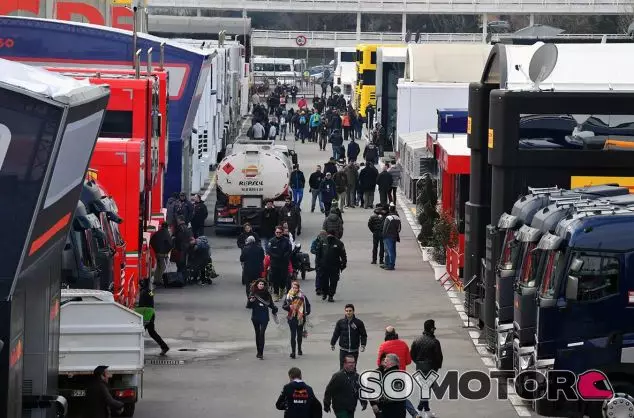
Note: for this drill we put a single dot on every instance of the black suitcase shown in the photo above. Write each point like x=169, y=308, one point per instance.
x=174, y=279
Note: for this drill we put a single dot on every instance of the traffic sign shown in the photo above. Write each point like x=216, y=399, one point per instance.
x=301, y=40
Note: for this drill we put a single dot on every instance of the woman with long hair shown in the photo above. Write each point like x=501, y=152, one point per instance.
x=298, y=308
x=260, y=301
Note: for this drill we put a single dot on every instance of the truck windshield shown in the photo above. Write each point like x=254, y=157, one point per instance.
x=530, y=264
x=598, y=276
x=84, y=249
x=510, y=251
x=555, y=263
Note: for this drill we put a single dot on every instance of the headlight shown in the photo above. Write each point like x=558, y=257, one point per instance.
x=525, y=362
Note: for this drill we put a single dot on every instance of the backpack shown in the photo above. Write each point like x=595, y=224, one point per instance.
x=202, y=243
x=331, y=253
x=302, y=120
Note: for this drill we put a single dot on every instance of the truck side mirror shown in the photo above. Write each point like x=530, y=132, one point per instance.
x=572, y=288
x=332, y=62
x=576, y=265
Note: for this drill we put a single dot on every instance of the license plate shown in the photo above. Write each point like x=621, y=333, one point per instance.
x=225, y=220
x=79, y=393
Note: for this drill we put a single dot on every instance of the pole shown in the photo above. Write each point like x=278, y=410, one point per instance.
x=162, y=56
x=134, y=36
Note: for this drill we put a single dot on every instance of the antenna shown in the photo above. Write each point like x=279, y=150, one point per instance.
x=149, y=61
x=162, y=56
x=137, y=66
x=542, y=63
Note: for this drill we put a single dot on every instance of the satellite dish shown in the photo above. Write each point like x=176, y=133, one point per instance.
x=408, y=36
x=543, y=63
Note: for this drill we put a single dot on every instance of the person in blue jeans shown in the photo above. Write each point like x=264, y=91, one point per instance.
x=391, y=235
x=297, y=183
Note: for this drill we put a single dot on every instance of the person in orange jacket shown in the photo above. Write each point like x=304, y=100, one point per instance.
x=394, y=345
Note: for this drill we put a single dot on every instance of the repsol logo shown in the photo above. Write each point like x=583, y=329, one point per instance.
x=248, y=183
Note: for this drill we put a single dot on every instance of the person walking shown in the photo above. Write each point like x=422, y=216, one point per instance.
x=145, y=307
x=247, y=231
x=352, y=176
x=333, y=222
x=291, y=214
x=199, y=216
x=351, y=334
x=99, y=401
x=341, y=185
x=331, y=166
x=297, y=399
x=269, y=219
x=333, y=259
x=328, y=192
x=367, y=181
x=353, y=150
x=395, y=171
x=283, y=124
x=279, y=251
x=426, y=353
x=161, y=243
x=391, y=235
x=342, y=392
x=384, y=407
x=314, y=247
x=252, y=259
x=298, y=308
x=297, y=182
x=371, y=154
x=384, y=181
x=375, y=225
x=260, y=301
x=314, y=181
x=336, y=142
x=369, y=114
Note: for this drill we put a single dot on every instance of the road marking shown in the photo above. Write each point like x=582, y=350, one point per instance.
x=487, y=358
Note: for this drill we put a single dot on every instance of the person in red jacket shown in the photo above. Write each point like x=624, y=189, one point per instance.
x=394, y=345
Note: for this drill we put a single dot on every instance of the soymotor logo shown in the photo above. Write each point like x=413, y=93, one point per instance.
x=592, y=385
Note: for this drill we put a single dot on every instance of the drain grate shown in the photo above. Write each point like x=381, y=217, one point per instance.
x=159, y=362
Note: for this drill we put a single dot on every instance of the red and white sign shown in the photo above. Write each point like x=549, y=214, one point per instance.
x=301, y=40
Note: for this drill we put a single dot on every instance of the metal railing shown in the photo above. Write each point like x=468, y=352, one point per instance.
x=412, y=6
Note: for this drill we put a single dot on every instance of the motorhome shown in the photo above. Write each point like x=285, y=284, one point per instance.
x=345, y=71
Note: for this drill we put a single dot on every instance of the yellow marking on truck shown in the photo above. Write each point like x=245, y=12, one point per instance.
x=490, y=138
x=585, y=181
x=468, y=125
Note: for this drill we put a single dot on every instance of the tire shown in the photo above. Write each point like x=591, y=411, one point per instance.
x=128, y=410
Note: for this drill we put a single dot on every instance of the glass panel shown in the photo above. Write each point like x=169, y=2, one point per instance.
x=117, y=124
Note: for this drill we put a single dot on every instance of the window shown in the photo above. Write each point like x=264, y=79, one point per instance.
x=530, y=260
x=117, y=124
x=360, y=56
x=347, y=57
x=510, y=251
x=369, y=77
x=532, y=267
x=373, y=57
x=598, y=277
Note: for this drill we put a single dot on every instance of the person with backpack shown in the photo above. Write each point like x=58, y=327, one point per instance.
x=333, y=259
x=314, y=247
x=303, y=127
x=315, y=122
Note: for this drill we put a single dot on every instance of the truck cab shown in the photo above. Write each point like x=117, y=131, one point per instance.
x=584, y=315
x=517, y=242
x=79, y=259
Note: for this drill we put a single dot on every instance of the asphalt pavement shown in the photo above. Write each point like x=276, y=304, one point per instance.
x=212, y=370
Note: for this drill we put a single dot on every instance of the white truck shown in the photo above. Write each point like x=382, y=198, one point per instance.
x=95, y=330
x=251, y=173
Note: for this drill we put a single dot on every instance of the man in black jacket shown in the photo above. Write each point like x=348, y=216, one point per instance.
x=350, y=331
x=333, y=259
x=314, y=182
x=342, y=392
x=99, y=400
x=290, y=213
x=199, y=217
x=268, y=221
x=297, y=183
x=252, y=259
x=389, y=408
x=375, y=224
x=384, y=181
x=297, y=399
x=426, y=353
x=161, y=243
x=279, y=249
x=367, y=182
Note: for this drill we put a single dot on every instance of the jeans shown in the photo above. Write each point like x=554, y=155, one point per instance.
x=368, y=199
x=323, y=140
x=342, y=200
x=351, y=196
x=424, y=406
x=336, y=151
x=161, y=264
x=298, y=195
x=390, y=252
x=283, y=132
x=297, y=333
x=344, y=353
x=260, y=330
x=327, y=203
x=410, y=408
x=377, y=244
x=315, y=195
x=392, y=194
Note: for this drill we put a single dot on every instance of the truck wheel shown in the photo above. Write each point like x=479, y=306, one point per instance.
x=128, y=410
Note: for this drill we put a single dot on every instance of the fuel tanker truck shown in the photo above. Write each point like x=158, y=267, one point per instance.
x=251, y=173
